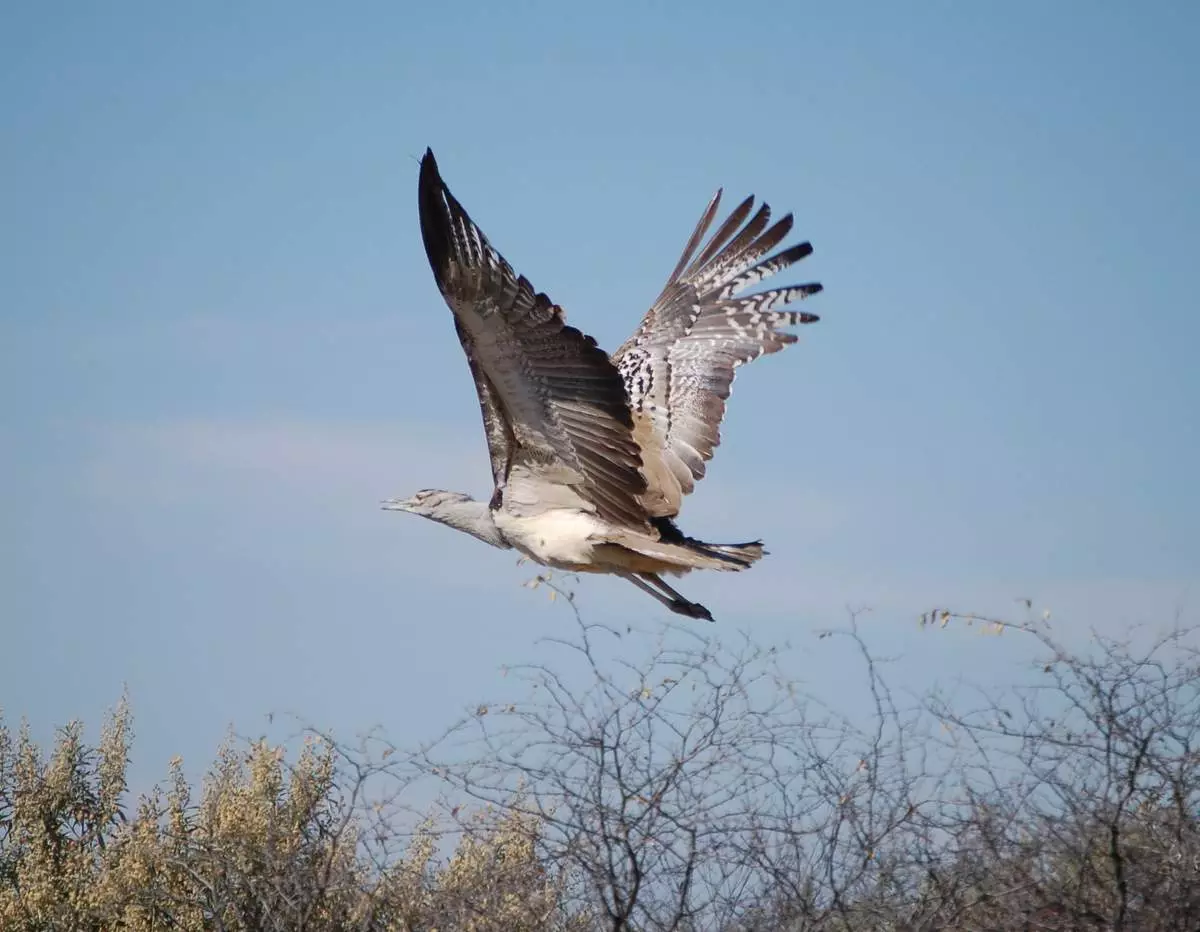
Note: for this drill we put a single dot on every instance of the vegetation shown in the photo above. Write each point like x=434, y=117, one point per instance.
x=690, y=787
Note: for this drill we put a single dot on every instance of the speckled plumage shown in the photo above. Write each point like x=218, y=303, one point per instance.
x=678, y=366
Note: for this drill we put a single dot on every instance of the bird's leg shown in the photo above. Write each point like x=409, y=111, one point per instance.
x=668, y=596
x=673, y=604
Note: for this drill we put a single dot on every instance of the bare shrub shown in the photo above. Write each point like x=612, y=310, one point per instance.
x=693, y=787
x=697, y=787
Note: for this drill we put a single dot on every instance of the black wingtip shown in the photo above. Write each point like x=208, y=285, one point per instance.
x=434, y=213
x=430, y=180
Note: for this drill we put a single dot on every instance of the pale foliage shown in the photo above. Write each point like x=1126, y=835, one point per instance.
x=269, y=845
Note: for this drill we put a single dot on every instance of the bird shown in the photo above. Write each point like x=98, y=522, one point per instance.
x=591, y=453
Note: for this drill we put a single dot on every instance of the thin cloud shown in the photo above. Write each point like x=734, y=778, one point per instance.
x=276, y=474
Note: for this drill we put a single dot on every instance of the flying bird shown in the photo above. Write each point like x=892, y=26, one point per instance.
x=592, y=454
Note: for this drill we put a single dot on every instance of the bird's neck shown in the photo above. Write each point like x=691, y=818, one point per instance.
x=473, y=517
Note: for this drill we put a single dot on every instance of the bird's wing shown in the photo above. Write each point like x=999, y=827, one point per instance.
x=679, y=364
x=553, y=404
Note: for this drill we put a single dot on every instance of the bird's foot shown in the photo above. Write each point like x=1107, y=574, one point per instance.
x=691, y=610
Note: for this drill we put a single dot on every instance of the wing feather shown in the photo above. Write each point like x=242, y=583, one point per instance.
x=679, y=365
x=496, y=428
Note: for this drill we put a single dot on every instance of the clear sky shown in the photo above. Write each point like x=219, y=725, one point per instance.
x=221, y=345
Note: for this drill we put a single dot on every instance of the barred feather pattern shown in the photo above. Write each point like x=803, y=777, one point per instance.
x=553, y=405
x=679, y=366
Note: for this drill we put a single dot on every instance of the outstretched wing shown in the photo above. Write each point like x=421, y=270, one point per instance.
x=679, y=365
x=553, y=404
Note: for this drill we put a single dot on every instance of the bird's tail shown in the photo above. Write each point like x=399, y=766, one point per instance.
x=743, y=555
x=728, y=556
x=684, y=553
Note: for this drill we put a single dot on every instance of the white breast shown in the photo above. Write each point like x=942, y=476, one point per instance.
x=557, y=536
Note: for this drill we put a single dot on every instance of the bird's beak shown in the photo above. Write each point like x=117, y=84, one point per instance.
x=397, y=504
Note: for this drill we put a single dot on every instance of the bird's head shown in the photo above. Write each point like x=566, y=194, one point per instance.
x=426, y=502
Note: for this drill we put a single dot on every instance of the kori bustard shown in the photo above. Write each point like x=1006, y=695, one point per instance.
x=592, y=454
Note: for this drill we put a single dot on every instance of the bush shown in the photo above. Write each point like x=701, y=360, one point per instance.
x=267, y=847
x=690, y=787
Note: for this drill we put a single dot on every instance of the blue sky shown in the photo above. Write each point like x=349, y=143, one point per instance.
x=220, y=344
